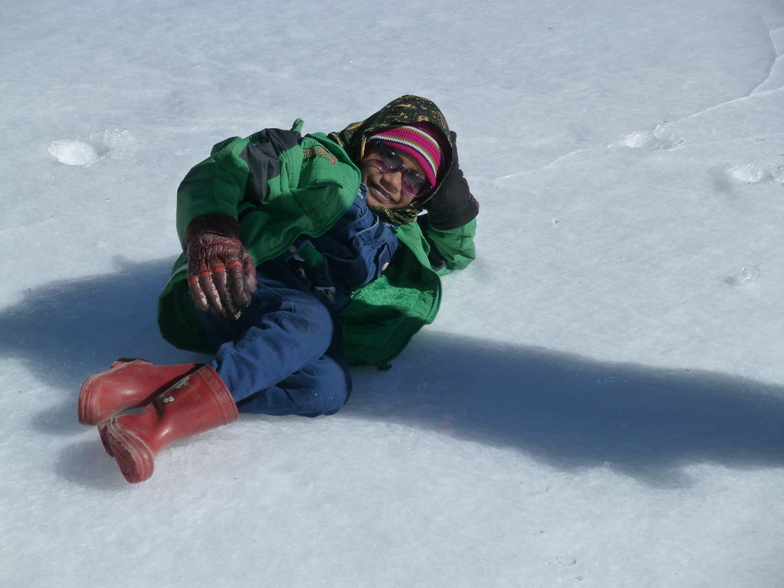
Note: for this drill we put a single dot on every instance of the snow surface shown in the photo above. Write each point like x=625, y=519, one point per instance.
x=599, y=404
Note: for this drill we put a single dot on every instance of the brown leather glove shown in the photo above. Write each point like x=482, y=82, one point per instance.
x=221, y=274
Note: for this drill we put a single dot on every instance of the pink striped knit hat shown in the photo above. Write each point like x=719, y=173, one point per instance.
x=420, y=141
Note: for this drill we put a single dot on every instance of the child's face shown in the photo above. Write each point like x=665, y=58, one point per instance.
x=386, y=189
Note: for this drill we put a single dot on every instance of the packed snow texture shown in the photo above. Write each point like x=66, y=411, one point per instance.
x=601, y=400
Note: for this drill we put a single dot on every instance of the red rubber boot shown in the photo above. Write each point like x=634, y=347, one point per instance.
x=128, y=383
x=197, y=403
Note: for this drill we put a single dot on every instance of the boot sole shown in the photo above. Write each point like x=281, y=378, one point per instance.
x=105, y=440
x=134, y=457
x=85, y=415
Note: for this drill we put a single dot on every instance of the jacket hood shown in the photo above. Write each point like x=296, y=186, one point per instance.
x=401, y=111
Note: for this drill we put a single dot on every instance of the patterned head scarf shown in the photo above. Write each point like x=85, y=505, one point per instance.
x=407, y=110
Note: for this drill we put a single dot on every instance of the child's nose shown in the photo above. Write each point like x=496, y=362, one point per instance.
x=393, y=181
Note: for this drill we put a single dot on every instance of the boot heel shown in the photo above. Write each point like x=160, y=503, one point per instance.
x=87, y=414
x=128, y=383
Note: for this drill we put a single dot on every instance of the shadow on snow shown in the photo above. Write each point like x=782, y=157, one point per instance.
x=572, y=412
x=565, y=410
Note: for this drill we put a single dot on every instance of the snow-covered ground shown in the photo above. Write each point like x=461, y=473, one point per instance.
x=601, y=401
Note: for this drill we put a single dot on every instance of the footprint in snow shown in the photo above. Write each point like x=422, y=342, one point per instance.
x=746, y=275
x=651, y=140
x=754, y=173
x=75, y=152
x=84, y=152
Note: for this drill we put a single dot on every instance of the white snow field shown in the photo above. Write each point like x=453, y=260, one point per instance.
x=601, y=400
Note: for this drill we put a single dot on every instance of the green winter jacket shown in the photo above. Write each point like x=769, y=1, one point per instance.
x=280, y=185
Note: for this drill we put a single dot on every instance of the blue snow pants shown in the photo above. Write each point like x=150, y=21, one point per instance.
x=280, y=357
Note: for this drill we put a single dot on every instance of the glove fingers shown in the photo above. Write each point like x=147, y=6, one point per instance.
x=249, y=272
x=222, y=301
x=236, y=284
x=209, y=291
x=202, y=287
x=199, y=298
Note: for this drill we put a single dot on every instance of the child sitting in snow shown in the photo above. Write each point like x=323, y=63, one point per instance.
x=300, y=255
